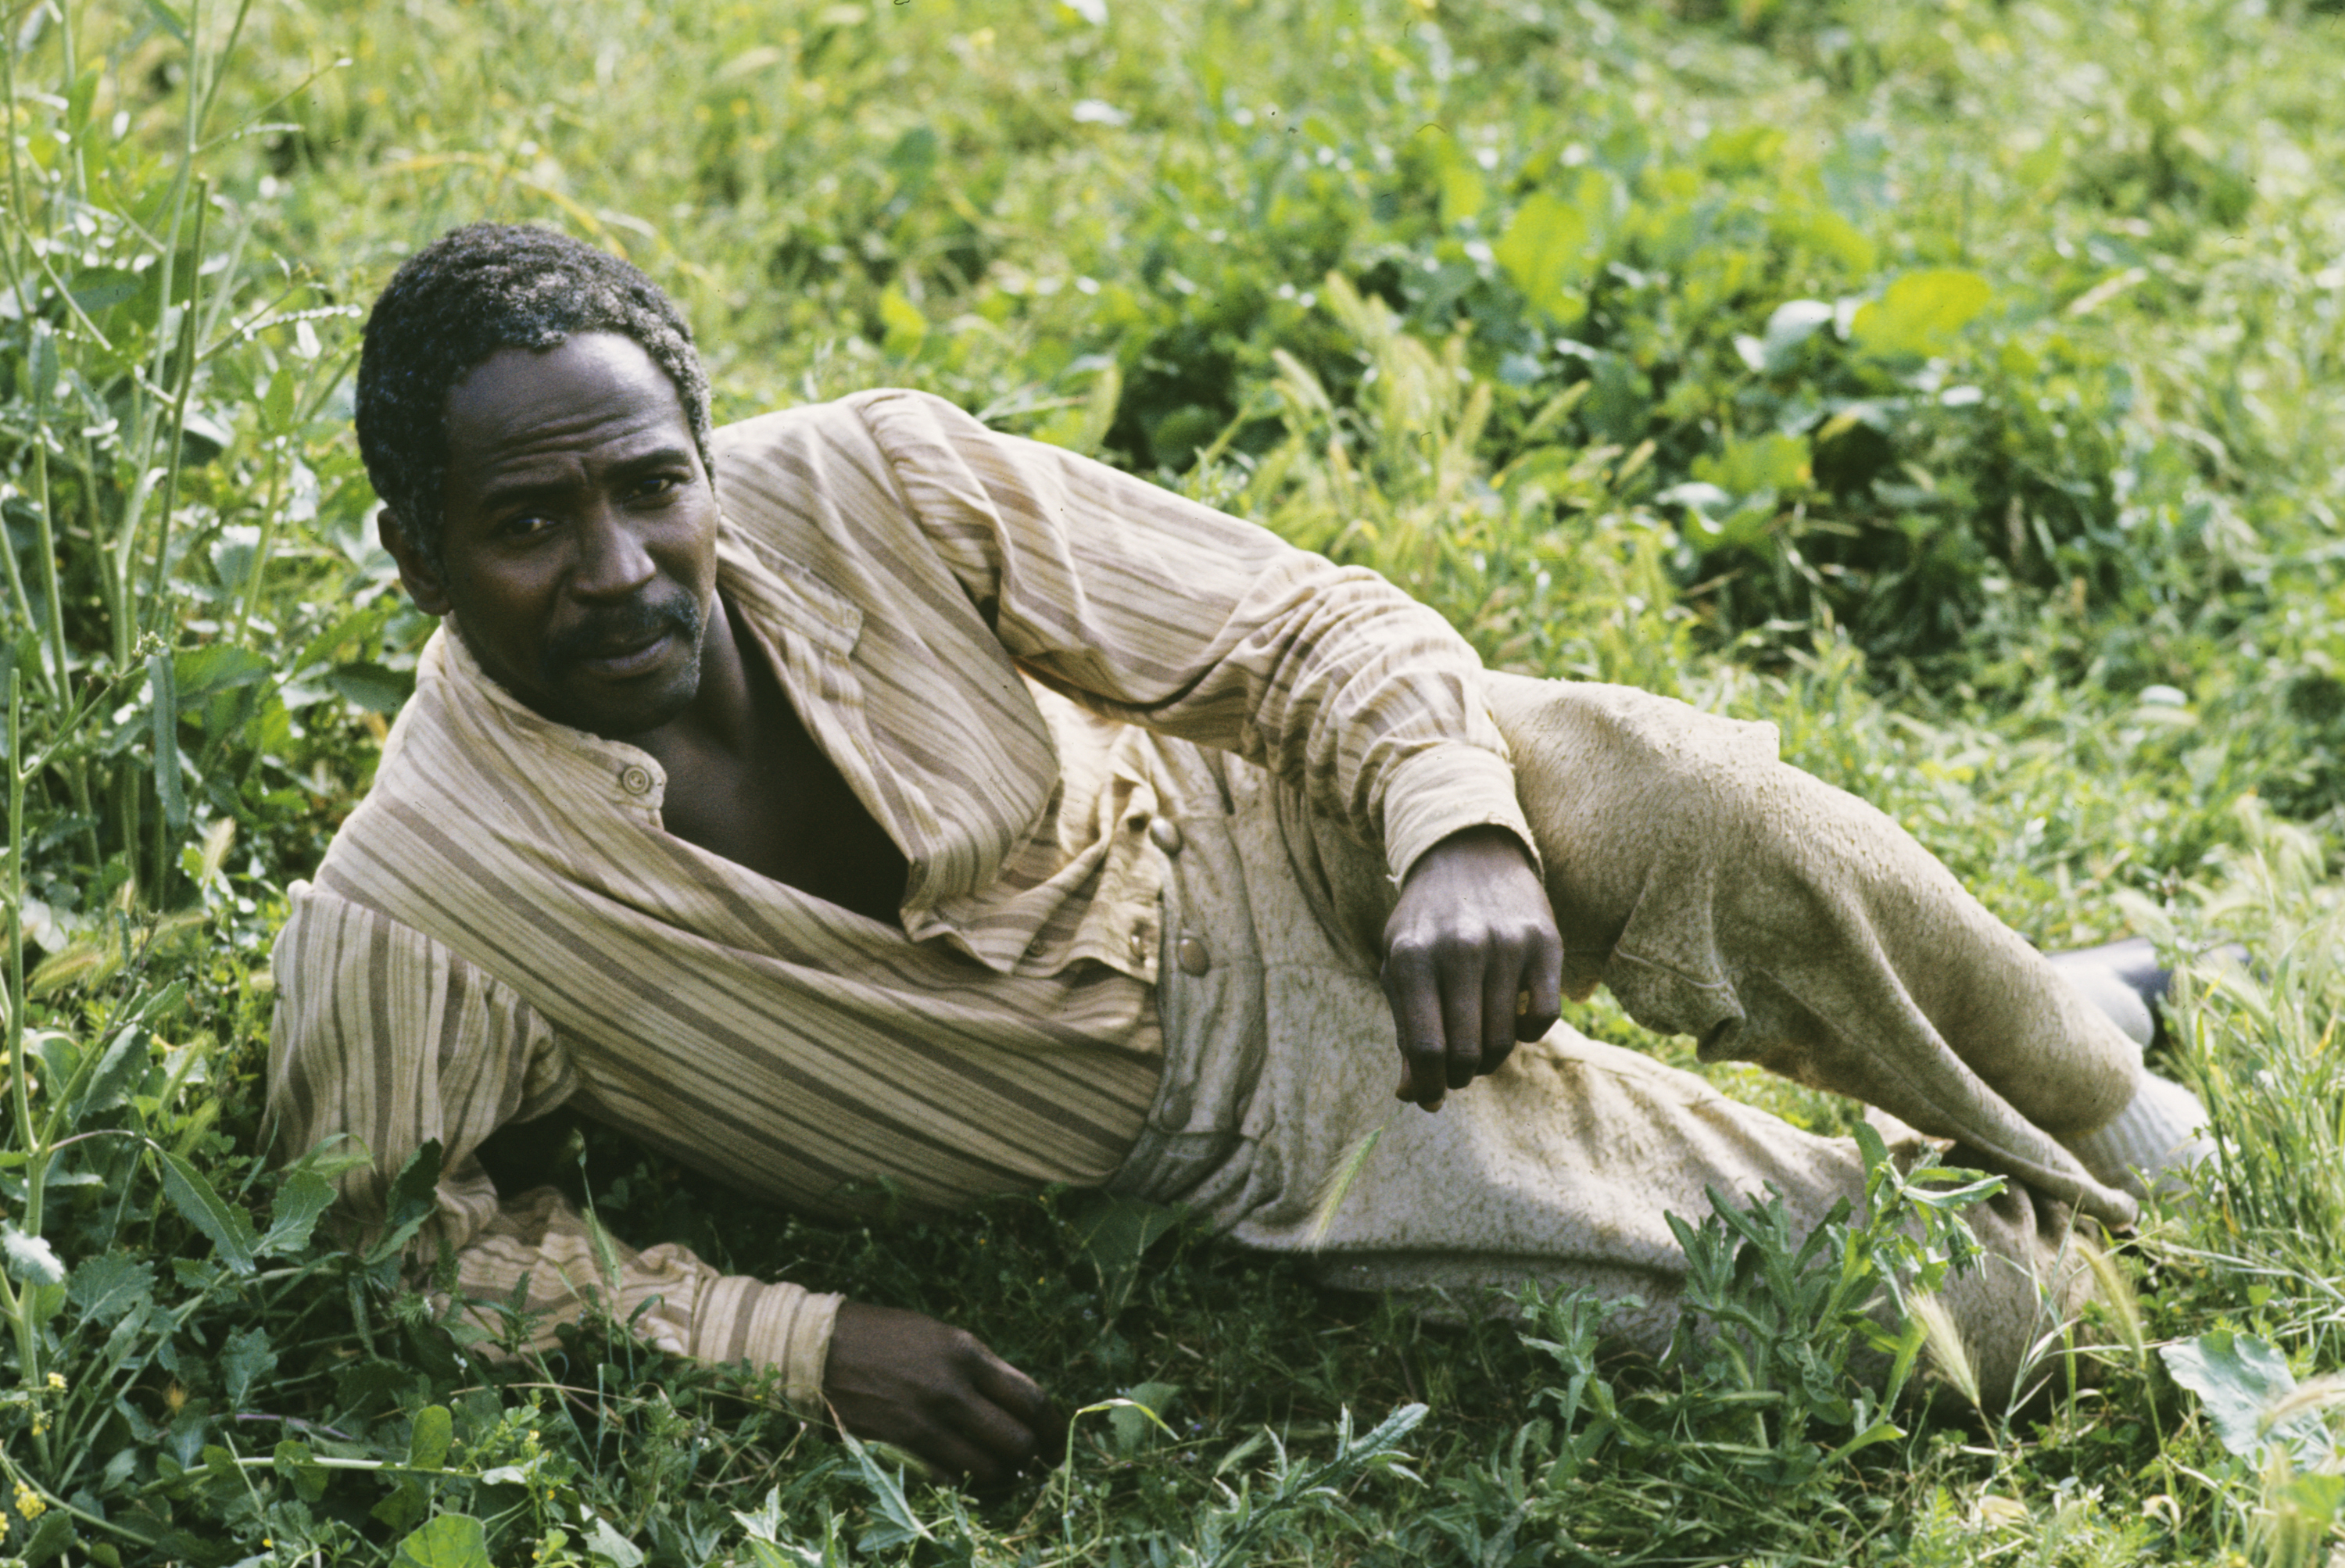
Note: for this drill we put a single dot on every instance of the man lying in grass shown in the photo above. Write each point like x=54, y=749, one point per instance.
x=853, y=795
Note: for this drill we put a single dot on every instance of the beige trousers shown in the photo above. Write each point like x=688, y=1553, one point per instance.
x=1718, y=893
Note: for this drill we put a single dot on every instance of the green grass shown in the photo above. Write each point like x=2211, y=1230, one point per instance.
x=2026, y=531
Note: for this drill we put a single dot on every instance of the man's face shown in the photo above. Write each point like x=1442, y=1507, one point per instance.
x=579, y=544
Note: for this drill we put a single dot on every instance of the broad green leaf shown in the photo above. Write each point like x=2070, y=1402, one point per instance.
x=1463, y=194
x=451, y=1540
x=2237, y=1377
x=429, y=1439
x=80, y=97
x=1545, y=251
x=907, y=329
x=605, y=1545
x=224, y=1225
x=2304, y=1508
x=1792, y=323
x=898, y=1522
x=116, y=1072
x=914, y=153
x=413, y=1200
x=1388, y=1431
x=110, y=1285
x=305, y=1196
x=102, y=288
x=246, y=1359
x=405, y=1507
x=1921, y=313
x=204, y=673
x=1115, y=1233
x=277, y=402
x=292, y=1460
x=1765, y=466
x=50, y=1539
x=59, y=1054
x=1132, y=1419
x=766, y=1521
x=31, y=1257
x=373, y=686
x=154, y=1007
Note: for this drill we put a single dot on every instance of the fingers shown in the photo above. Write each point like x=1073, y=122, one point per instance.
x=1504, y=998
x=1021, y=1396
x=1412, y=987
x=906, y=1378
x=1461, y=1005
x=1472, y=962
x=1462, y=1012
x=1540, y=1001
x=985, y=1414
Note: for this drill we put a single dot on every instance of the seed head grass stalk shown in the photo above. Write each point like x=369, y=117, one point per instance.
x=1342, y=1176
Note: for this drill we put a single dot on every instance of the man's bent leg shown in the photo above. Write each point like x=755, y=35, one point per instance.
x=1721, y=893
x=1562, y=1167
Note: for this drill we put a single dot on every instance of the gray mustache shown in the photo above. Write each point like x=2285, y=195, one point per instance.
x=625, y=624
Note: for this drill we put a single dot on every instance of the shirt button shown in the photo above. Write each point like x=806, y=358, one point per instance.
x=635, y=778
x=1139, y=945
x=1166, y=832
x=1192, y=956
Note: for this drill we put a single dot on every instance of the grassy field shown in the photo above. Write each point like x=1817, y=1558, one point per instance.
x=1958, y=385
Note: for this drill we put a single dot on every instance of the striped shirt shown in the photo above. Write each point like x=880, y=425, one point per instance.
x=992, y=641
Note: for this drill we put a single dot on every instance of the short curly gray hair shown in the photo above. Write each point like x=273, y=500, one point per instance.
x=460, y=298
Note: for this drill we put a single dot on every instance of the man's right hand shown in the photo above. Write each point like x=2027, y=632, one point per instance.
x=898, y=1377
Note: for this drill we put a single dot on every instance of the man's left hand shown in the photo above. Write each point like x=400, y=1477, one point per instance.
x=1472, y=962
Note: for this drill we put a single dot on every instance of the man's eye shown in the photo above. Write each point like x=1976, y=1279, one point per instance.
x=654, y=486
x=527, y=526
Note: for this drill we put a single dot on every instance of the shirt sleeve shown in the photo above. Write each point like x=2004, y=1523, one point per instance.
x=385, y=1035
x=1165, y=613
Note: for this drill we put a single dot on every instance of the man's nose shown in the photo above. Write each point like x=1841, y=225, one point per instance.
x=611, y=563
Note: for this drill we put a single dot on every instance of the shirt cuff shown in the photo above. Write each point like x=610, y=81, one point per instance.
x=782, y=1326
x=1446, y=790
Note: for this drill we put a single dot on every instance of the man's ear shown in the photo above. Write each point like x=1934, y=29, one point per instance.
x=426, y=584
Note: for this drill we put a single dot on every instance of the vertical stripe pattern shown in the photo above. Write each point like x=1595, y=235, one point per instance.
x=992, y=641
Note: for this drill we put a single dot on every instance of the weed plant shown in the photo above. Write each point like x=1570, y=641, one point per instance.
x=1956, y=386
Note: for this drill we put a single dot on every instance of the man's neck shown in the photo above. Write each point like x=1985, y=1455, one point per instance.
x=722, y=718
x=747, y=780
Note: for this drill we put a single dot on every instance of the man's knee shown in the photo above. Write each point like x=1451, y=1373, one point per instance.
x=1623, y=789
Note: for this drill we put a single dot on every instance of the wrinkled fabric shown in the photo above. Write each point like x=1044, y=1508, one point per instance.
x=978, y=630
x=1720, y=893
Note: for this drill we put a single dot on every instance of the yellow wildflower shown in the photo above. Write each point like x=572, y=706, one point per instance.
x=29, y=1504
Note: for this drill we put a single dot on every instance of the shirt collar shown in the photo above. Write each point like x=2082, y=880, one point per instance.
x=780, y=600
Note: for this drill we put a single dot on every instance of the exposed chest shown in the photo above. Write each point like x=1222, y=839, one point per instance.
x=780, y=809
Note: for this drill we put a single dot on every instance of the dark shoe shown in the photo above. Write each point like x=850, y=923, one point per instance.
x=2128, y=984
x=2125, y=981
